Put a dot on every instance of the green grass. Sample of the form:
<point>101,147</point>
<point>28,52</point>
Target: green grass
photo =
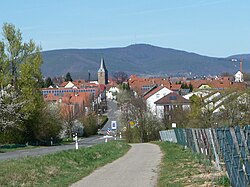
<point>59,169</point>
<point>182,167</point>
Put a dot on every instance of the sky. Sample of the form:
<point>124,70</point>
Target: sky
<point>217,28</point>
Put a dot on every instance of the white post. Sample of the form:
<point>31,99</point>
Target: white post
<point>120,135</point>
<point>106,139</point>
<point>76,141</point>
<point>115,136</point>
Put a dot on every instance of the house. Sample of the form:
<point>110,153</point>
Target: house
<point>112,92</point>
<point>167,104</point>
<point>238,77</point>
<point>154,95</point>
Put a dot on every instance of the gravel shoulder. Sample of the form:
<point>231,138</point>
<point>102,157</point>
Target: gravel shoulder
<point>137,168</point>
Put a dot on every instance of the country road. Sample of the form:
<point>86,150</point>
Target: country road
<point>85,142</point>
<point>138,168</point>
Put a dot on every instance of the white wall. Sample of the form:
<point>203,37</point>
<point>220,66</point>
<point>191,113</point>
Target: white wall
<point>155,97</point>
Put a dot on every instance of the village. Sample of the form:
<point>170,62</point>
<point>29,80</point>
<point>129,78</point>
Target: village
<point>161,94</point>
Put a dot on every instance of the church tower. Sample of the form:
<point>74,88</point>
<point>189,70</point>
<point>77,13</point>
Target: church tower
<point>102,73</point>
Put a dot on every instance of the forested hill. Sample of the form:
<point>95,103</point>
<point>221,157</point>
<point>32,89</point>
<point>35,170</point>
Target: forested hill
<point>141,59</point>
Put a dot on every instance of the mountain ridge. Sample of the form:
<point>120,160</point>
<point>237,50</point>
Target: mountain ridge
<point>141,59</point>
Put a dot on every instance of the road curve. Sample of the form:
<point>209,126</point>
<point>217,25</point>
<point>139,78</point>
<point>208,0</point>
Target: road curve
<point>137,168</point>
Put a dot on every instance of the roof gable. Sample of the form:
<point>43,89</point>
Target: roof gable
<point>172,99</point>
<point>155,91</point>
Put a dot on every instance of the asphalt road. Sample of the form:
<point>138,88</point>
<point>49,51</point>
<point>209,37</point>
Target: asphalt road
<point>113,115</point>
<point>138,168</point>
<point>85,142</point>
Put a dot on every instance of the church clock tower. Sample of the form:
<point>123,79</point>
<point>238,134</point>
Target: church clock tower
<point>102,73</point>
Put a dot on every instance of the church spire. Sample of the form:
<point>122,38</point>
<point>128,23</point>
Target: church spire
<point>102,67</point>
<point>102,73</point>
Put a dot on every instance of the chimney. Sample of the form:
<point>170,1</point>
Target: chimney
<point>89,75</point>
<point>241,65</point>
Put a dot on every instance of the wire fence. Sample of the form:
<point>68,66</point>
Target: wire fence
<point>229,146</point>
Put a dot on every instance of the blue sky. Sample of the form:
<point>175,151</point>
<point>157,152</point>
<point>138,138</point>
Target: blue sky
<point>208,27</point>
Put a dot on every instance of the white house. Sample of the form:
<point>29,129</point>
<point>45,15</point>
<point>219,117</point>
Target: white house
<point>154,95</point>
<point>238,77</point>
<point>112,92</point>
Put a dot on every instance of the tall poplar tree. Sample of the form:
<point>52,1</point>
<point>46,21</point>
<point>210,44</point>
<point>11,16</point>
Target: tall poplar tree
<point>20,64</point>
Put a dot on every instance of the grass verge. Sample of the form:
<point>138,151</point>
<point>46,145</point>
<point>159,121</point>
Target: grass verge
<point>59,169</point>
<point>182,167</point>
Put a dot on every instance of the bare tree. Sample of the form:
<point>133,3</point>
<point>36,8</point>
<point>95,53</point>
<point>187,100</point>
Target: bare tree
<point>69,113</point>
<point>120,77</point>
<point>141,125</point>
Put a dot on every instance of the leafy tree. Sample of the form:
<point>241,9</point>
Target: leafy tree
<point>48,82</point>
<point>68,77</point>
<point>20,64</point>
<point>49,124</point>
<point>4,71</point>
<point>190,86</point>
<point>15,51</point>
<point>90,124</point>
<point>184,86</point>
<point>195,113</point>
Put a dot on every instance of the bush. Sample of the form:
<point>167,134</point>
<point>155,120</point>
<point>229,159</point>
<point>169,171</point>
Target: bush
<point>90,125</point>
<point>103,121</point>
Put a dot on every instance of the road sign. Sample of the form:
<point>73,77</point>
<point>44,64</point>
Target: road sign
<point>132,124</point>
<point>113,125</point>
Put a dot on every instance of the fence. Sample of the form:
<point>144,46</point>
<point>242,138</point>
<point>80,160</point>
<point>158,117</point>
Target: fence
<point>230,145</point>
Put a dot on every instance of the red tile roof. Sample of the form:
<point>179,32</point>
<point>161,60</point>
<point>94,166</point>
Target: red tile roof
<point>137,83</point>
<point>173,99</point>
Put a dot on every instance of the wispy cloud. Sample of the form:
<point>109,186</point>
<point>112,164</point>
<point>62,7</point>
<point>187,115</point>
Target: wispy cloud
<point>198,4</point>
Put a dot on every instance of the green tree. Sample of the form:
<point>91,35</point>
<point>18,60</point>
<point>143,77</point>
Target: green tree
<point>68,77</point>
<point>195,113</point>
<point>14,51</point>
<point>48,82</point>
<point>49,124</point>
<point>4,66</point>
<point>190,86</point>
<point>20,64</point>
<point>90,124</point>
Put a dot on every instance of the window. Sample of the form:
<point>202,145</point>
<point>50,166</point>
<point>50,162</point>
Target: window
<point>173,97</point>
